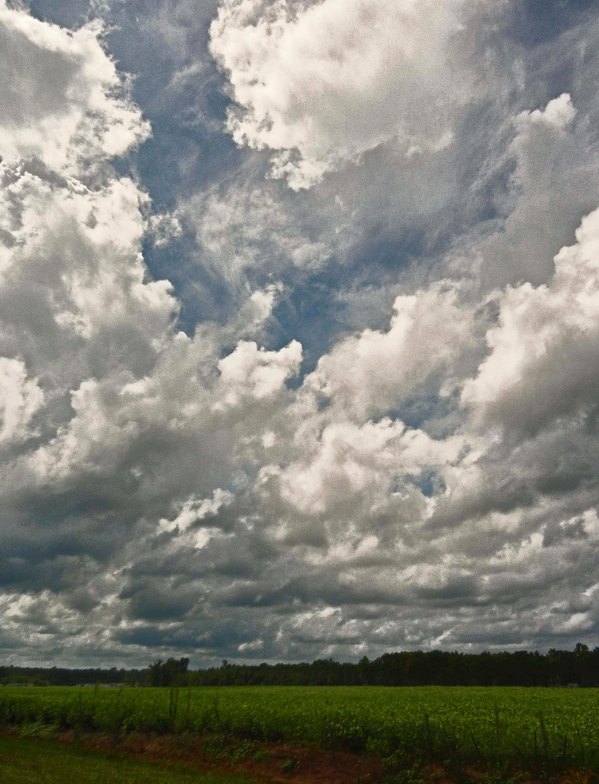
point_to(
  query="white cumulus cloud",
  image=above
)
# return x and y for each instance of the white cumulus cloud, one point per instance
(544, 359)
(320, 83)
(61, 95)
(375, 371)
(20, 399)
(250, 371)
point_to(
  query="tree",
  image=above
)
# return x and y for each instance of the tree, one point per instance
(172, 672)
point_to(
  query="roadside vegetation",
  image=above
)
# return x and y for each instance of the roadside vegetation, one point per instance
(35, 761)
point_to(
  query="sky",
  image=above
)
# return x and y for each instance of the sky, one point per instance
(299, 328)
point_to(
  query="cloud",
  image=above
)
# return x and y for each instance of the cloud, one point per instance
(356, 467)
(379, 427)
(62, 98)
(374, 372)
(543, 359)
(195, 510)
(549, 172)
(20, 399)
(309, 88)
(245, 230)
(251, 372)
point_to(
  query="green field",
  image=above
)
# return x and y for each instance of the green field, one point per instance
(526, 727)
(25, 761)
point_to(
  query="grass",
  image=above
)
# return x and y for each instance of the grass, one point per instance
(26, 761)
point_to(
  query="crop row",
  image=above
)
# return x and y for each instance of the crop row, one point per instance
(490, 726)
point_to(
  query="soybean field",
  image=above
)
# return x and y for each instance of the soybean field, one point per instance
(491, 727)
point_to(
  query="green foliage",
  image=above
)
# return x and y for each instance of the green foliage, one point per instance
(289, 764)
(418, 668)
(401, 668)
(492, 727)
(172, 672)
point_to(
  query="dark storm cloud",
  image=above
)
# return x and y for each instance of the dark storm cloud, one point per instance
(159, 599)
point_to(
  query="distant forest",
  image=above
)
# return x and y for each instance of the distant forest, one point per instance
(579, 667)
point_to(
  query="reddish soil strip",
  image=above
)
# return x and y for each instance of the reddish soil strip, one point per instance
(280, 764)
(285, 764)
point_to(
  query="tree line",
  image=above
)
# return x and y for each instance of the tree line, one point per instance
(579, 667)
